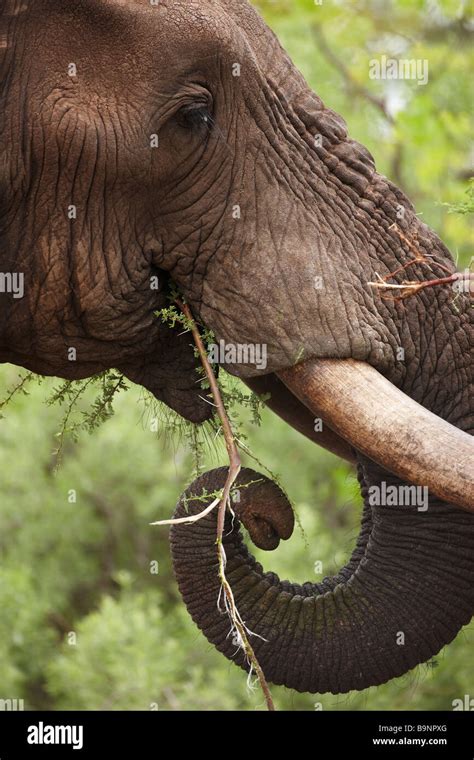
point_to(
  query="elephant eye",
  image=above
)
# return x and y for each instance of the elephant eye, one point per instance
(196, 117)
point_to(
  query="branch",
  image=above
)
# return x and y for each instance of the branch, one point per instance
(223, 502)
(17, 388)
(234, 457)
(410, 288)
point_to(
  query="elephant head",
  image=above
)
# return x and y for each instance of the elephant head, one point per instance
(146, 143)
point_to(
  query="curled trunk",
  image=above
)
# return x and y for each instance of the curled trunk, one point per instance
(405, 593)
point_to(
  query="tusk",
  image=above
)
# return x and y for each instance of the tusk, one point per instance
(296, 414)
(386, 425)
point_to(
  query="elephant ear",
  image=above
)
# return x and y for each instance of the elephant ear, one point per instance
(171, 373)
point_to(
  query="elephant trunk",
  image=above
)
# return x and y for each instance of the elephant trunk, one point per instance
(405, 593)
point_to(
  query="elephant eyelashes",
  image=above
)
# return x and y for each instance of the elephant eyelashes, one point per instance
(196, 118)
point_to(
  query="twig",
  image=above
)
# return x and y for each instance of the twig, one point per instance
(192, 518)
(223, 502)
(420, 258)
(62, 433)
(242, 630)
(234, 457)
(410, 288)
(18, 387)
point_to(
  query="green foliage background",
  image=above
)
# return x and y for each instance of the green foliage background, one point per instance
(84, 623)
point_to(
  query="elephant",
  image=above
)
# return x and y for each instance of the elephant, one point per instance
(149, 146)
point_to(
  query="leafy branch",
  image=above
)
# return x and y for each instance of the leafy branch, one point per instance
(19, 388)
(223, 502)
(71, 391)
(81, 415)
(466, 206)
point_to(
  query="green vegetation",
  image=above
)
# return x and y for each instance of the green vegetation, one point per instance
(91, 616)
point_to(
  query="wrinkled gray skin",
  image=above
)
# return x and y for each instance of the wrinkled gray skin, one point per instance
(306, 211)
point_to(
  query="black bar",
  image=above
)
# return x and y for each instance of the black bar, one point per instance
(149, 734)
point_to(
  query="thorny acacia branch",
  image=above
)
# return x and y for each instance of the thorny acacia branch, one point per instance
(223, 502)
(410, 287)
